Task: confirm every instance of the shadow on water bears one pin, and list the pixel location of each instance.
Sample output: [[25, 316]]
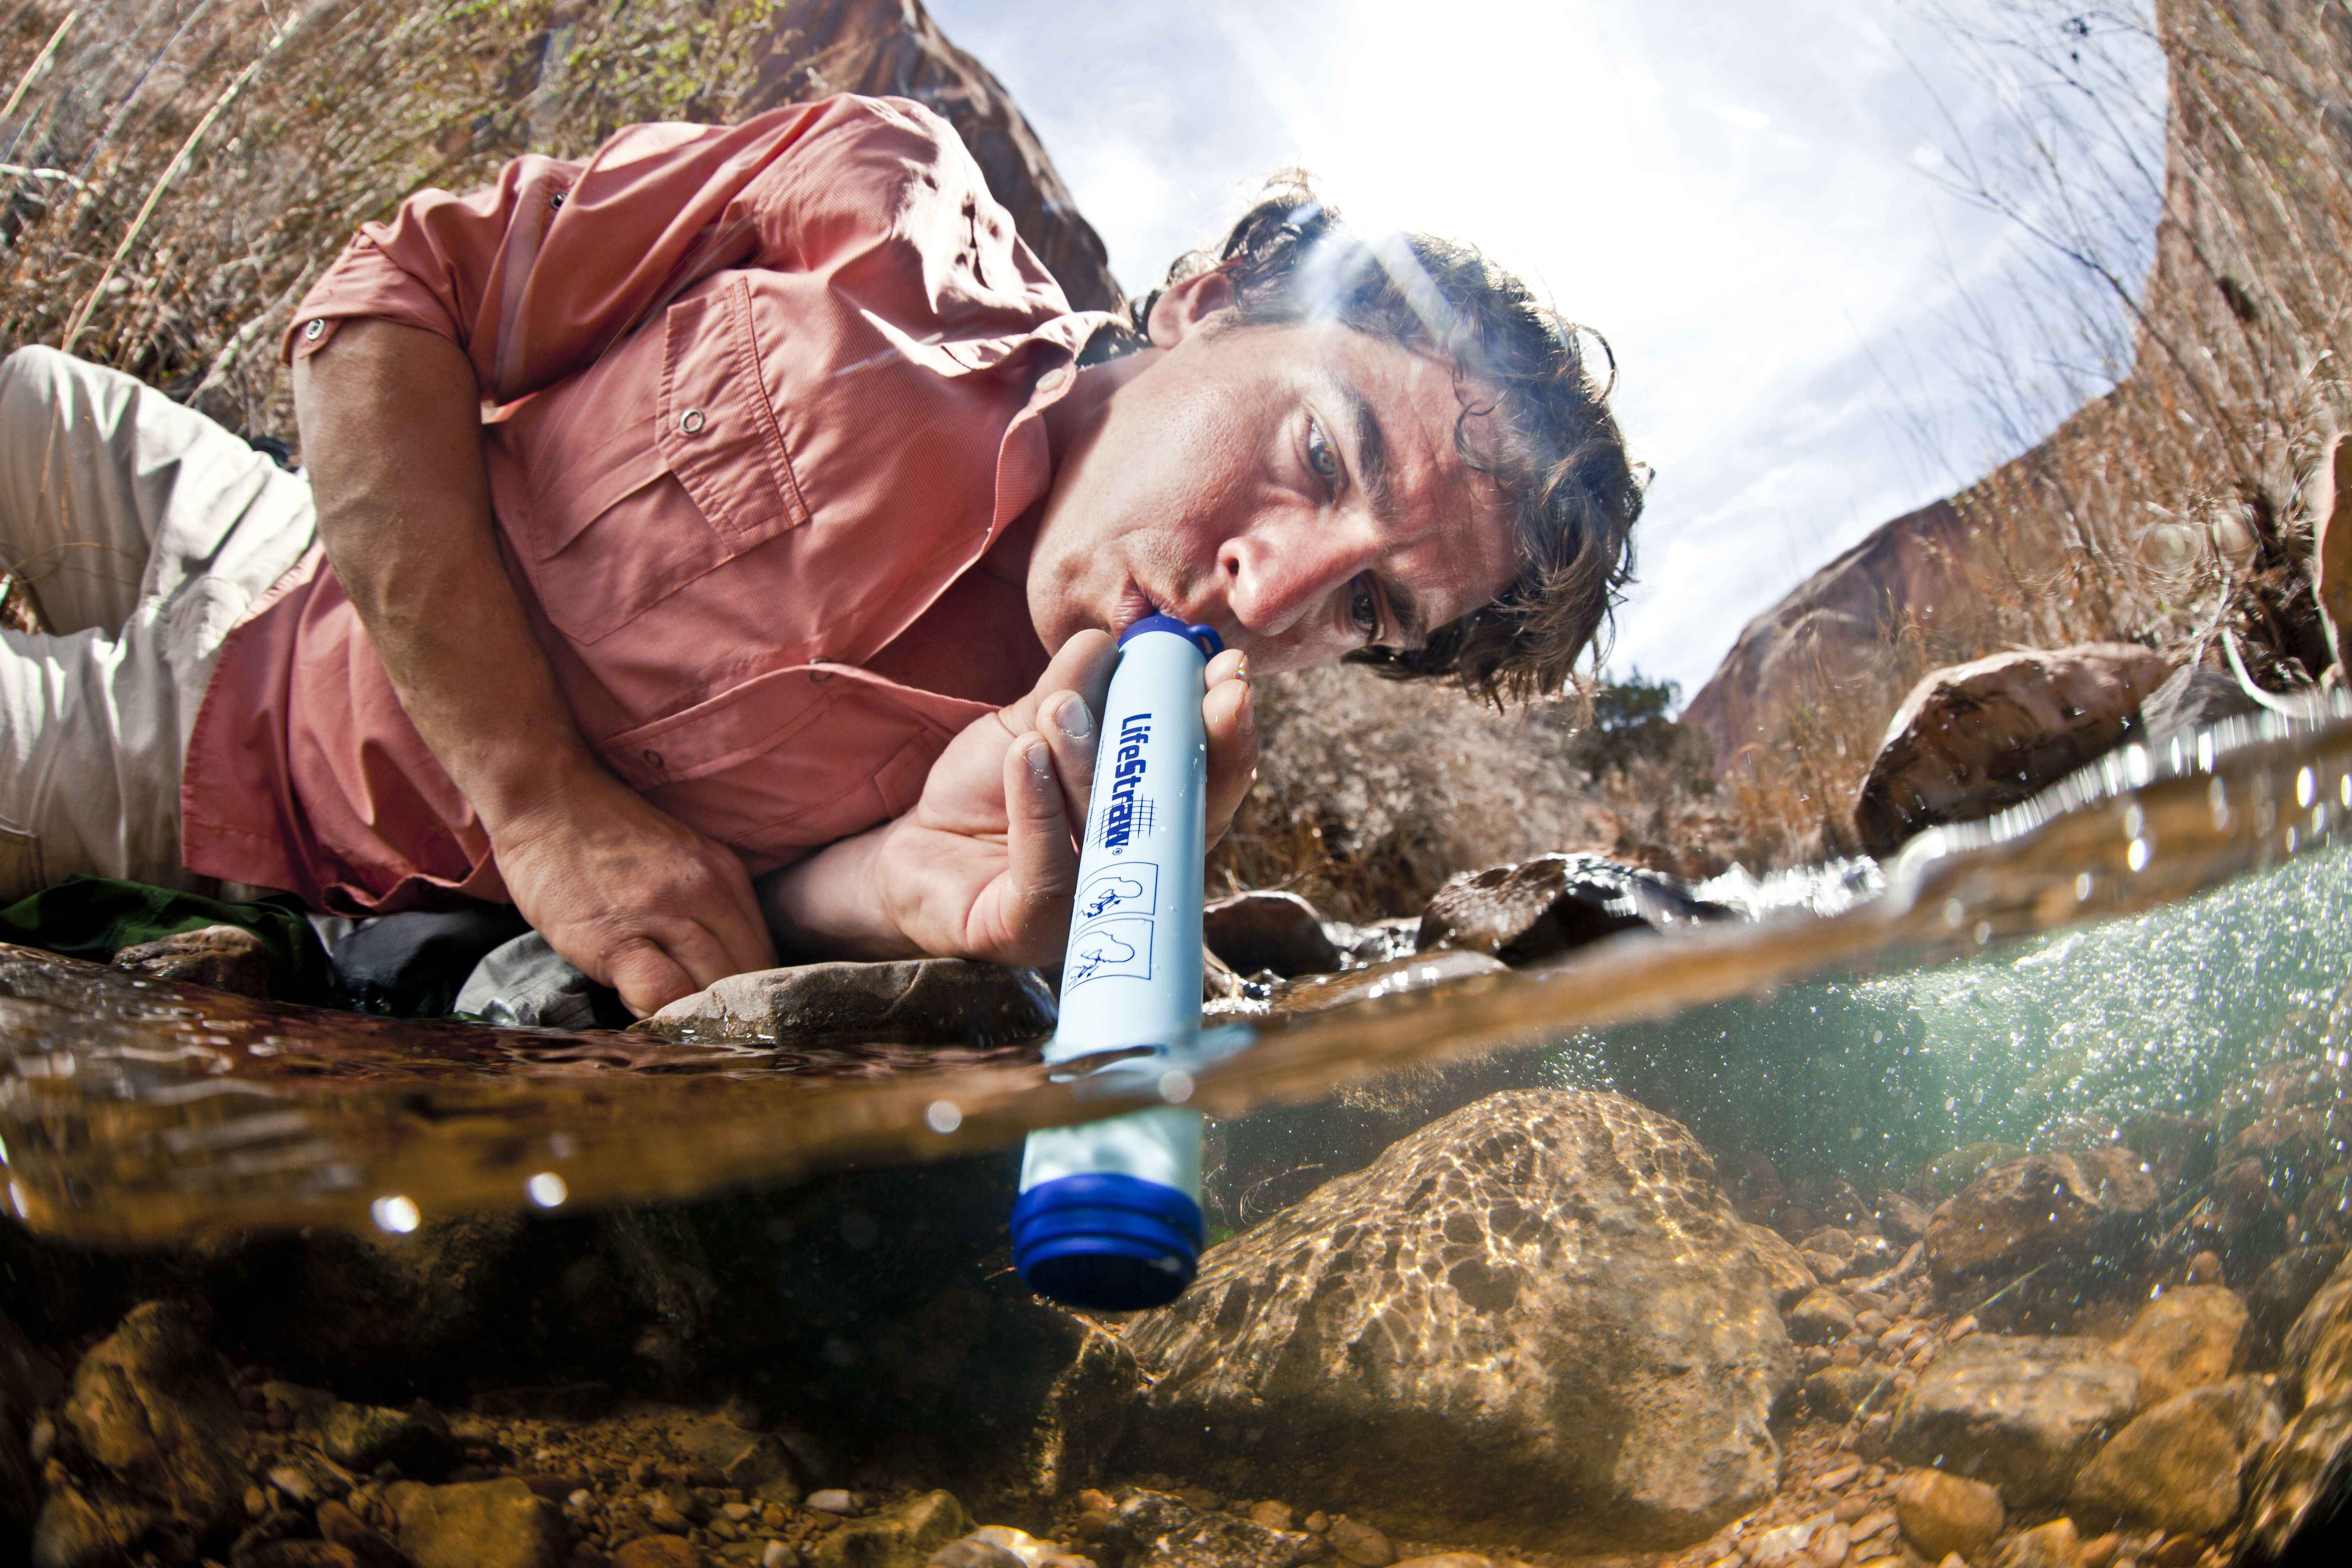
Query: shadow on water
[[2115, 946]]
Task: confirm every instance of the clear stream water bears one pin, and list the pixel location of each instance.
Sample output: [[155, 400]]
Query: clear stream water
[[2127, 941]]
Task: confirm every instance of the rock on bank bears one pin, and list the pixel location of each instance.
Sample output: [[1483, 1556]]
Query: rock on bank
[[1535, 1320]]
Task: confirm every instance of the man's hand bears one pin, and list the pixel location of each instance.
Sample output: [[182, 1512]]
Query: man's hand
[[639, 901], [392, 429], [985, 864]]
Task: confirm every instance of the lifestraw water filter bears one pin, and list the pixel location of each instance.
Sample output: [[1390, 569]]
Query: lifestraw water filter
[[1110, 1212]]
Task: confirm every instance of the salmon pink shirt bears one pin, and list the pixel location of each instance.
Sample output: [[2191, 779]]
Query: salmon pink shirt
[[753, 397]]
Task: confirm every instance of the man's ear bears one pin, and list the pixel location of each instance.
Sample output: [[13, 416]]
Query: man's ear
[[1183, 308]]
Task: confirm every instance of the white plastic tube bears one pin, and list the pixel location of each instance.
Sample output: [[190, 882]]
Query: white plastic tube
[[1110, 1212]]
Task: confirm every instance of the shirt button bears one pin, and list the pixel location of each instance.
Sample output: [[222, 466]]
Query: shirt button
[[556, 201], [315, 329], [653, 758], [691, 421]]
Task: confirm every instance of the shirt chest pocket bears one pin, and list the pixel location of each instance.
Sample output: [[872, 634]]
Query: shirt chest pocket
[[629, 503]]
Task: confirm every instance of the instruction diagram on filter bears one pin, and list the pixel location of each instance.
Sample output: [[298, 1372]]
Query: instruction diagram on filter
[[1131, 889], [1114, 947]]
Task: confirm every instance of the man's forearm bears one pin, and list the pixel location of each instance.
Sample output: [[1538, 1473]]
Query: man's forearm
[[391, 423], [830, 905]]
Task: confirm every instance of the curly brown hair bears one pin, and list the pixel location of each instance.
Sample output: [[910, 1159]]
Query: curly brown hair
[[1560, 463]]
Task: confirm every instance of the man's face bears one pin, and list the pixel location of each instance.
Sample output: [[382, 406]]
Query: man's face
[[1296, 488]]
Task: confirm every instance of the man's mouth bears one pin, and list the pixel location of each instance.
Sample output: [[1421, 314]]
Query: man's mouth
[[1134, 604]]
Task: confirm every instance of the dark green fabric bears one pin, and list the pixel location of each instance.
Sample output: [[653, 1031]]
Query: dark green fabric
[[96, 917]]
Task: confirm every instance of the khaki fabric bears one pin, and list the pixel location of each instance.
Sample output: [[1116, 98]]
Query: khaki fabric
[[144, 532]]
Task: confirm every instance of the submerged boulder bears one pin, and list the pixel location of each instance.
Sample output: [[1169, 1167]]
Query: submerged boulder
[[1552, 904], [2019, 1413], [151, 1436], [2175, 1465], [2295, 1496], [2024, 1211], [1974, 738], [2185, 1339], [915, 1000], [1537, 1319]]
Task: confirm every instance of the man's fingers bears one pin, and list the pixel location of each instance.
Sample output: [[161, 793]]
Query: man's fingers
[[647, 978], [1230, 716], [1042, 863], [1073, 735]]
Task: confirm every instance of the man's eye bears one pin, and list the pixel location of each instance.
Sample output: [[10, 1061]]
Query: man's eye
[[1321, 454], [1364, 609]]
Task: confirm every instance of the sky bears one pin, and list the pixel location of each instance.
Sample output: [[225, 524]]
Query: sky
[[1751, 203]]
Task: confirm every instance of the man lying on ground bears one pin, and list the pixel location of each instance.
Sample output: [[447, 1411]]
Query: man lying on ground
[[714, 546]]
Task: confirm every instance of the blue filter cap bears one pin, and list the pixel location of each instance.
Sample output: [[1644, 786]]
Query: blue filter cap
[[1204, 637], [1106, 1242]]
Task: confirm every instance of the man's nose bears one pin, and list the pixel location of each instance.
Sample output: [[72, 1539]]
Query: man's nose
[[1275, 576]]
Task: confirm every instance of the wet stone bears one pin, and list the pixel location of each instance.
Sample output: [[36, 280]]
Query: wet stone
[[922, 1001], [227, 958], [2300, 1481], [1540, 908], [2023, 1414], [152, 1424], [2185, 1339], [1902, 1221], [1838, 1393], [657, 1551], [1784, 1267], [1973, 737], [2176, 1466], [1361, 1545], [2022, 1212], [2280, 1293], [971, 1552], [900, 1536], [751, 1462], [1821, 1318], [2056, 1544], [1534, 1241], [478, 1524], [1275, 931]]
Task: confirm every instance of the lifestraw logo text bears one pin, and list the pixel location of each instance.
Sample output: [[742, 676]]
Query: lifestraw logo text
[[1119, 821]]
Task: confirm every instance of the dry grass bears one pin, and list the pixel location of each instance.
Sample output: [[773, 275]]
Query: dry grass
[[205, 159]]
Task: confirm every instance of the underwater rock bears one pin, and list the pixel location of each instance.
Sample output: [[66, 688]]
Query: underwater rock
[[2024, 1211], [1784, 1267], [1821, 1318], [1154, 1530], [900, 1536], [2185, 1339], [1973, 737], [2057, 1544], [915, 1000], [478, 1524], [1538, 909], [2175, 1465], [1359, 1543], [1537, 1319], [2278, 1296], [2177, 1149], [1941, 1514], [1280, 932], [752, 1462], [227, 958], [2023, 1414], [1838, 1393], [151, 1429], [1902, 1221], [362, 1436], [2240, 1221], [657, 1551], [2298, 1492]]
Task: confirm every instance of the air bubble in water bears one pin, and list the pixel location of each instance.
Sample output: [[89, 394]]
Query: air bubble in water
[[2136, 856], [397, 1215]]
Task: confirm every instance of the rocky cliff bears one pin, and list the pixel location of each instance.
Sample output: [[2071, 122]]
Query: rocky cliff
[[2188, 476], [894, 48]]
